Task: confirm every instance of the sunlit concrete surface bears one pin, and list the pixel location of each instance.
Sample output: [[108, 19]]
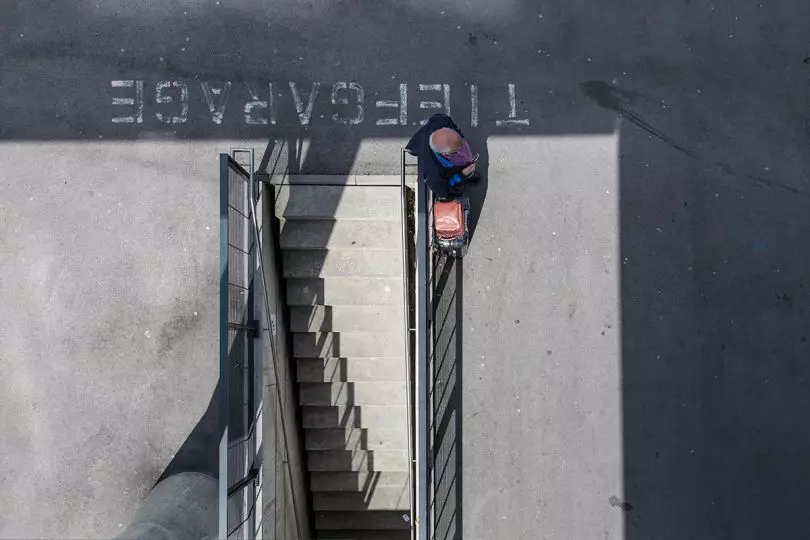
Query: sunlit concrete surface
[[108, 346], [540, 369]]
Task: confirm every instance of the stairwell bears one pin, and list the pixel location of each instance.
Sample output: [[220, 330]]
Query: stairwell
[[342, 263]]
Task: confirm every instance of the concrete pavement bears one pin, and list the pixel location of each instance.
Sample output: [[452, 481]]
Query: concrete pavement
[[540, 372], [109, 343]]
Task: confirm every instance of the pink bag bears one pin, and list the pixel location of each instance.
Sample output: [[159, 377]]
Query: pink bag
[[448, 219]]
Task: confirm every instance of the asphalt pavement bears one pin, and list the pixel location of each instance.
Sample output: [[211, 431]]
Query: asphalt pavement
[[636, 288]]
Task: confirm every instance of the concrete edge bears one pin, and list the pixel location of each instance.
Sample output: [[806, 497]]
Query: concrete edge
[[338, 179]]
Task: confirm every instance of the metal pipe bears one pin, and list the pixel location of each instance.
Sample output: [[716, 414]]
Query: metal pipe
[[422, 375]]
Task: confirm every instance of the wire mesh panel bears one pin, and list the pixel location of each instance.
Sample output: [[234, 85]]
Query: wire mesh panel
[[240, 463]]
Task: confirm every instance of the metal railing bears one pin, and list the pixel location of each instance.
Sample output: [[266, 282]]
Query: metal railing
[[243, 305], [410, 322], [239, 406], [422, 372]]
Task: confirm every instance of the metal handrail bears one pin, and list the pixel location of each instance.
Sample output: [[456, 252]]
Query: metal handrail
[[422, 376], [269, 328]]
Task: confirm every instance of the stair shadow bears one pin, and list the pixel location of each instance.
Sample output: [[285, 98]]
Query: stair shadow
[[319, 155], [446, 397], [294, 155]]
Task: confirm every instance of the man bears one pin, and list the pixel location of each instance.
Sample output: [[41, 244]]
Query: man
[[445, 158]]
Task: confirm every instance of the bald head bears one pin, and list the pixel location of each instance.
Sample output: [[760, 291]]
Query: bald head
[[445, 141]]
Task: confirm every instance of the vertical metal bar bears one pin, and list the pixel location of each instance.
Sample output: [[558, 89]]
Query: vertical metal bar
[[248, 372], [422, 375], [430, 357], [224, 361]]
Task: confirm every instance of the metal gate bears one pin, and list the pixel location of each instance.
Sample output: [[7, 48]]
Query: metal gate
[[240, 358]]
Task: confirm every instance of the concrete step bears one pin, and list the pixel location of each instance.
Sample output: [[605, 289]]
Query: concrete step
[[349, 345], [345, 291], [363, 535], [376, 499], [338, 202], [363, 481], [373, 318], [358, 460], [340, 234], [364, 520], [347, 394], [329, 370], [371, 417], [343, 179], [358, 438], [381, 263]]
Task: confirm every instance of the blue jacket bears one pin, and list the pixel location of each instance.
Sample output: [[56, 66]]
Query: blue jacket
[[431, 170]]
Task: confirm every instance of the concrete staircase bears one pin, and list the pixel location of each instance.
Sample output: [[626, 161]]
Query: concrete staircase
[[342, 262]]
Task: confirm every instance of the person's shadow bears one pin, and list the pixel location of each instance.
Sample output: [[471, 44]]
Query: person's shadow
[[477, 191]]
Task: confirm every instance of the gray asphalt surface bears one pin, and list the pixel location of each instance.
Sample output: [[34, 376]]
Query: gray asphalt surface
[[686, 419]]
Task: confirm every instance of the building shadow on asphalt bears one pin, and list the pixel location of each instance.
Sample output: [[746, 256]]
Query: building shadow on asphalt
[[714, 348], [200, 451]]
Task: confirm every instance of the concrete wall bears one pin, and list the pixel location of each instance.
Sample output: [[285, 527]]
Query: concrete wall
[[285, 504]]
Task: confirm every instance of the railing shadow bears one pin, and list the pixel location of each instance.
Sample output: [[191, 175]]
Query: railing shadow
[[714, 354], [446, 398]]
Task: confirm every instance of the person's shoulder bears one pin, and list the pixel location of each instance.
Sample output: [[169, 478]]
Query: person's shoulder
[[440, 120]]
